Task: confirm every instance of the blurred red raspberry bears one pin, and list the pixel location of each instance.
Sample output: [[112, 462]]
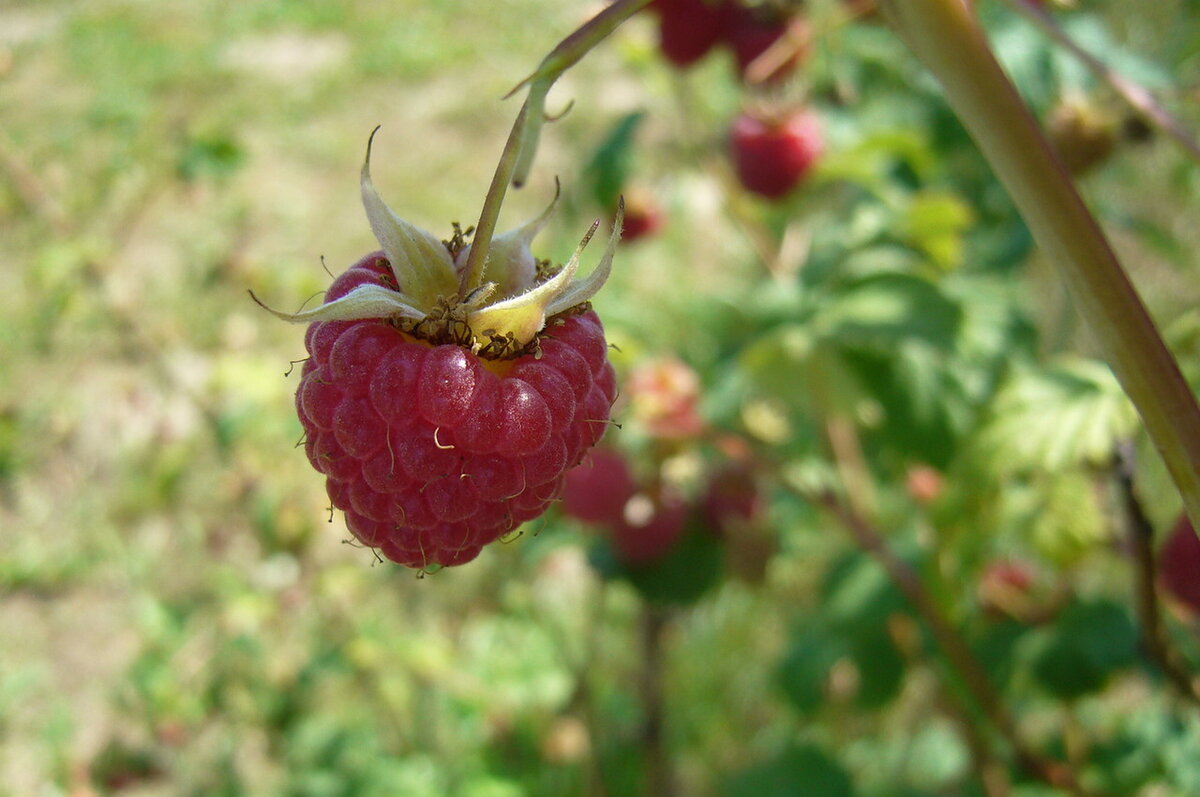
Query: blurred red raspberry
[[773, 154], [650, 527], [1179, 566], [596, 490], [689, 29], [924, 483], [664, 395], [643, 217], [754, 32]]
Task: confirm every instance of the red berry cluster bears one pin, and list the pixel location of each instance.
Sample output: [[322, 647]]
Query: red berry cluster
[[643, 526], [690, 29], [433, 451], [772, 152], [645, 522]]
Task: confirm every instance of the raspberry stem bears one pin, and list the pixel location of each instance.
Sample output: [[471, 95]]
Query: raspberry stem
[[477, 259], [521, 147], [945, 36]]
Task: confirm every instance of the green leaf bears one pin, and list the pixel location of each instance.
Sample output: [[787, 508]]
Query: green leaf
[[805, 668], [1089, 642], [858, 600], [1025, 55], [885, 309], [535, 678], [1092, 34], [921, 404], [937, 757], [694, 565], [608, 171], [934, 222], [881, 668], [1070, 413], [210, 156], [872, 161], [996, 646], [790, 365], [1066, 520], [858, 597], [805, 770]]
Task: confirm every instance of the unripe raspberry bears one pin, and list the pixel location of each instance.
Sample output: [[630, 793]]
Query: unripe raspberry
[[732, 497], [1083, 133], [1006, 588], [664, 396], [924, 483]]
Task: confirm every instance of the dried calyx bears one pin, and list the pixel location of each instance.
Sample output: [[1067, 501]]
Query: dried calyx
[[498, 319]]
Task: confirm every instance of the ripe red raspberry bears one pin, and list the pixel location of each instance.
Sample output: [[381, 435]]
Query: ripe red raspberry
[[644, 217], [596, 491], [688, 29], [443, 418], [650, 527], [1179, 566], [753, 32], [433, 452], [733, 508], [772, 156]]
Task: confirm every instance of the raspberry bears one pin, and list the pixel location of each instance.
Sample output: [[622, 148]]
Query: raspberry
[[1006, 588], [445, 404], [1084, 134], [773, 155], [597, 490], [393, 423], [688, 29], [732, 498], [643, 525], [1179, 566], [664, 397], [753, 32], [650, 527], [925, 484], [644, 217]]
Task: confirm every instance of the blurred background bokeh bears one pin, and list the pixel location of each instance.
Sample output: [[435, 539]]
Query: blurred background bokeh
[[180, 614]]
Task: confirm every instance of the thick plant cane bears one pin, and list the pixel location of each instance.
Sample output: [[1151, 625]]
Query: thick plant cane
[[946, 37]]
